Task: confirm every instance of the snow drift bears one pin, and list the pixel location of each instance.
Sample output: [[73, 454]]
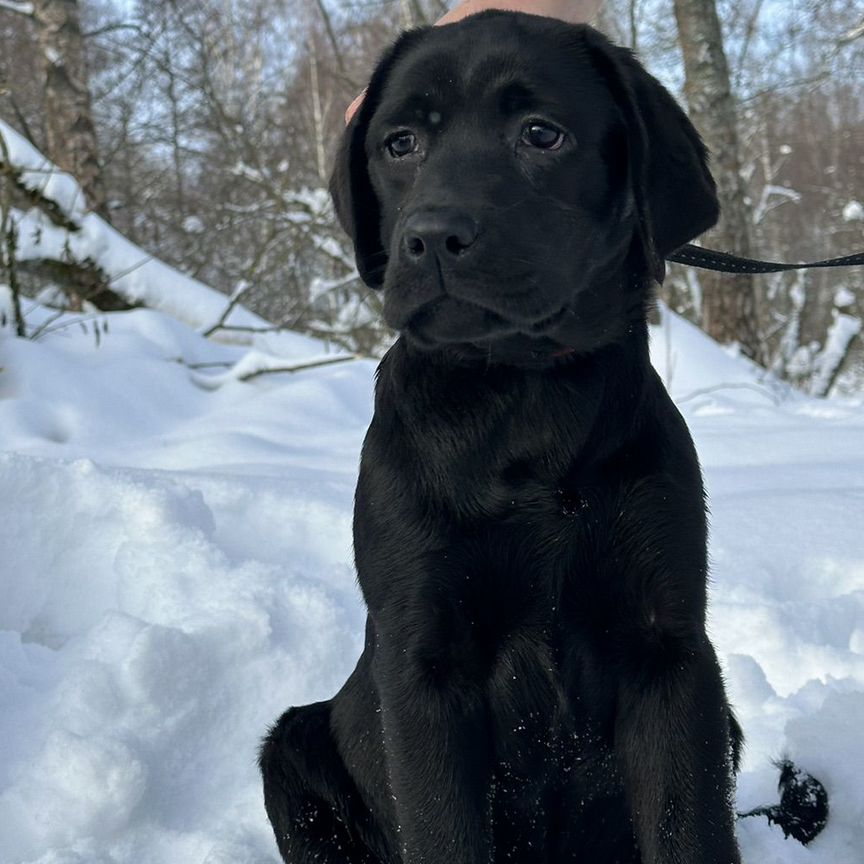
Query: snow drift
[[176, 570]]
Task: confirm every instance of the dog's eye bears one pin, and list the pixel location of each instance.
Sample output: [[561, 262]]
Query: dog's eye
[[401, 144], [542, 136]]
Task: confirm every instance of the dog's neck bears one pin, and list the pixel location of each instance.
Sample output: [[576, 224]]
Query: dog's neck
[[542, 418]]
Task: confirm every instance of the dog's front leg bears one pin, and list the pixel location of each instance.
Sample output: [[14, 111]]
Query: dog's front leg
[[437, 746], [673, 742]]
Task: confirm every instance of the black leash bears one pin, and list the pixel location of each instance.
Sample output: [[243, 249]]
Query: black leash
[[723, 262]]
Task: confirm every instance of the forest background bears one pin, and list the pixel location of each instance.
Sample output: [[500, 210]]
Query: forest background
[[203, 130]]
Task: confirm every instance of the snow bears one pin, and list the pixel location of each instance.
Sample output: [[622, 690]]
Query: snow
[[193, 225], [843, 297], [853, 211], [842, 331], [177, 571]]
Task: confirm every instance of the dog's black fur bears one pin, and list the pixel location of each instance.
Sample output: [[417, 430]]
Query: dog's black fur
[[530, 531]]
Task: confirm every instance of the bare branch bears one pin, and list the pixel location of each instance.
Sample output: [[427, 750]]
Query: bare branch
[[786, 85], [331, 36], [80, 320], [852, 35], [634, 24], [46, 324], [749, 34], [235, 298], [112, 28]]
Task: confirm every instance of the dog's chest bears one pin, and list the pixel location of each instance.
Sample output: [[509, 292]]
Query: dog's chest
[[526, 616], [551, 700]]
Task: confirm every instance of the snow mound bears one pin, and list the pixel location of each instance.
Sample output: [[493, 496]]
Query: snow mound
[[177, 571]]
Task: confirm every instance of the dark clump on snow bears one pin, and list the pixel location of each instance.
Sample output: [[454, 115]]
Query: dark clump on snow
[[803, 809]]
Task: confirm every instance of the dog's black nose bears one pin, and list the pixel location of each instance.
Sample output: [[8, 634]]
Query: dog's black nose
[[444, 232]]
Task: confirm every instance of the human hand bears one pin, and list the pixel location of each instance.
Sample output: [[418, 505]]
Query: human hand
[[572, 11]]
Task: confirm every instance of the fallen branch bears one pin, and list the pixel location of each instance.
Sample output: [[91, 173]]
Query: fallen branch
[[706, 391], [82, 280], [251, 366], [24, 197], [300, 367]]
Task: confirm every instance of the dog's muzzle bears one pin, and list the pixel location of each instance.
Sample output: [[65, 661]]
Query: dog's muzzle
[[435, 236]]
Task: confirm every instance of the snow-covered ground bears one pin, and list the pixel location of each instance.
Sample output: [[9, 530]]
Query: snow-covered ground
[[176, 570]]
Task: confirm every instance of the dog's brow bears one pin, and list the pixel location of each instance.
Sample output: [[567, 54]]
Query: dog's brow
[[510, 85], [416, 106], [515, 96]]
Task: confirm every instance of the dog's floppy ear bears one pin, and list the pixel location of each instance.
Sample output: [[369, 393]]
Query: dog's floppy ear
[[356, 204], [675, 194], [355, 201]]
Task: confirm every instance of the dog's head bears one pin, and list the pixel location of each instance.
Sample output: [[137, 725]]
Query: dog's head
[[513, 183]]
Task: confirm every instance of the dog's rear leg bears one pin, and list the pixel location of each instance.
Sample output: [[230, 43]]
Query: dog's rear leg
[[313, 804]]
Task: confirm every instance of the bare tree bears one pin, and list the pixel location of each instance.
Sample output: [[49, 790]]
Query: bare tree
[[729, 311], [70, 131]]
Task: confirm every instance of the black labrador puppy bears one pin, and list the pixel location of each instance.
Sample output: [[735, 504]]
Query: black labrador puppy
[[530, 532]]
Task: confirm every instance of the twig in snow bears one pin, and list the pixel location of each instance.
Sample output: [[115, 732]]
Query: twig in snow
[[235, 298], [299, 367], [216, 364], [44, 329], [284, 323], [704, 391]]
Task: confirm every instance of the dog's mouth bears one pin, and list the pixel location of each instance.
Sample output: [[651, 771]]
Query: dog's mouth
[[451, 321], [448, 320], [551, 322]]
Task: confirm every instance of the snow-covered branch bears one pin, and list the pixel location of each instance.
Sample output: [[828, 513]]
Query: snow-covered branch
[[21, 8], [55, 229], [840, 335], [257, 363], [771, 198]]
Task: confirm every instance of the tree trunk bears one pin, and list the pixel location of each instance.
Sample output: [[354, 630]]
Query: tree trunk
[[71, 135], [728, 302]]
